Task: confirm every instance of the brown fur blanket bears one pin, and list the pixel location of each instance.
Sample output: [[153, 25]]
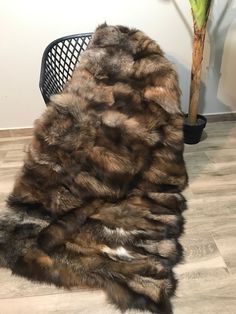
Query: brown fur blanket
[[98, 200]]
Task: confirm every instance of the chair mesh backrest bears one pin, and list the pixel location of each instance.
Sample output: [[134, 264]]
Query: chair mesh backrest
[[58, 63]]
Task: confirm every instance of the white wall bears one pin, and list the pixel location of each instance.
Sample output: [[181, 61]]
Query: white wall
[[28, 26], [218, 93]]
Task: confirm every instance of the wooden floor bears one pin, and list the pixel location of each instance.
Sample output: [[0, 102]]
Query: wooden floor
[[208, 275]]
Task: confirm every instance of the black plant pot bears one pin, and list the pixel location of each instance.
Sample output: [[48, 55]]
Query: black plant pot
[[193, 133]]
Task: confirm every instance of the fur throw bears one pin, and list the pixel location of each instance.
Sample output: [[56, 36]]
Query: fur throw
[[98, 200]]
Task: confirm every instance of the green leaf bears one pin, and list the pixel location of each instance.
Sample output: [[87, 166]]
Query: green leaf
[[200, 10]]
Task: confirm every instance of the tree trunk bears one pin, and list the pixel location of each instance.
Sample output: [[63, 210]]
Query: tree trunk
[[197, 56]]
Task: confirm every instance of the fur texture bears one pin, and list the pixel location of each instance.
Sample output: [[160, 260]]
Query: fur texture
[[102, 178]]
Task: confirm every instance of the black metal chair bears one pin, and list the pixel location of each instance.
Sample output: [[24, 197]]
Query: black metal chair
[[58, 62]]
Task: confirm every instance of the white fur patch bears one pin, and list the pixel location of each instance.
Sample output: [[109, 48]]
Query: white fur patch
[[118, 231], [121, 233], [119, 252]]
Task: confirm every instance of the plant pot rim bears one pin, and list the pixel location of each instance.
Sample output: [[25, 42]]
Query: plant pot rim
[[203, 121]]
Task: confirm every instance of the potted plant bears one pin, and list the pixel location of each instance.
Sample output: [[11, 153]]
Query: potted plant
[[194, 122]]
